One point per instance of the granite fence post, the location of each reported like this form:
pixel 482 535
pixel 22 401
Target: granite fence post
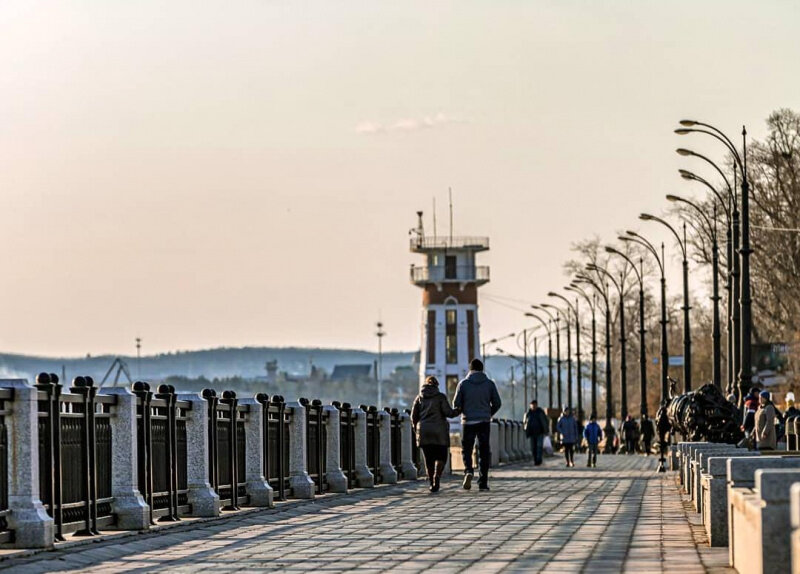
pixel 301 484
pixel 32 527
pixel 203 499
pixel 407 466
pixel 132 511
pixel 336 479
pixel 502 453
pixel 388 473
pixel 258 489
pixel 364 477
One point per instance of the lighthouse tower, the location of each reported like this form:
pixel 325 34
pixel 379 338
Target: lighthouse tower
pixel 450 333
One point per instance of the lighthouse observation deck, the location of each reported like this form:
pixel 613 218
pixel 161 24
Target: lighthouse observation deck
pixel 478 274
pixel 424 244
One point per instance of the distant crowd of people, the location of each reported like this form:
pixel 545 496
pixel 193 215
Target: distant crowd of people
pixel 762 422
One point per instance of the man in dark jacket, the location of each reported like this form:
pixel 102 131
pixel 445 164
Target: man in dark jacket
pixel 478 400
pixel 648 432
pixel 630 432
pixel 536 426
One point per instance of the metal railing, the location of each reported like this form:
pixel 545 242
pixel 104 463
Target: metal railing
pixel 75 455
pixel 276 443
pixel 347 441
pixel 431 242
pixel 373 441
pixel 227 448
pixel 161 451
pixel 396 440
pixel 316 439
pixel 442 274
pixel 6 396
pixel 416 453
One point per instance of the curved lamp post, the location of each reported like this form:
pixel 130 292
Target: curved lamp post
pixel 560 313
pixel 745 302
pixel 592 302
pixel 603 292
pixel 642 352
pixel 716 359
pixel 557 320
pixel 549 360
pixel 574 309
pixel 687 333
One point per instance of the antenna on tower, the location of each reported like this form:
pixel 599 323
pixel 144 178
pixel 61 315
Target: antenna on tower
pixel 450 196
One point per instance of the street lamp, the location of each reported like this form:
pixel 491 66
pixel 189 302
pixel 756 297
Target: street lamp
pixel 484 356
pixel 524 347
pixel 592 302
pixel 557 320
pixel 574 309
pixel 745 301
pixel 716 363
pixel 687 333
pixel 549 358
pixel 731 249
pixel 642 351
pixel 603 292
pixel 623 360
pixel 560 313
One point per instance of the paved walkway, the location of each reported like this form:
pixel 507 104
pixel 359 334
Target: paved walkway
pixel 619 517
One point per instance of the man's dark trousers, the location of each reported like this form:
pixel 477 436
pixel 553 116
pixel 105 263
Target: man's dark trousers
pixel 469 434
pixel 537 447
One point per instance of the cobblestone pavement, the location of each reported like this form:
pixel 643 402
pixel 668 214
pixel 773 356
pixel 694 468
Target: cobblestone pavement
pixel 621 516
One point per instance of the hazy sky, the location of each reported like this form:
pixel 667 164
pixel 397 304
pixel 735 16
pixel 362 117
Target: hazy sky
pixel 245 173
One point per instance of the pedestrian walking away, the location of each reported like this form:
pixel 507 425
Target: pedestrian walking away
pixel 648 433
pixel 593 435
pixel 630 433
pixel 429 416
pixel 536 425
pixel 478 401
pixel 567 427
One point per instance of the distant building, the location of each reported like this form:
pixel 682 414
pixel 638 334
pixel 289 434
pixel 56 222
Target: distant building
pixel 450 281
pixel 351 372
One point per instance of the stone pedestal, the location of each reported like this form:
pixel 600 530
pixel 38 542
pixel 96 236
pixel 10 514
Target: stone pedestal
pixel 364 477
pixel 258 489
pixel 494 446
pixel 132 511
pixel 32 527
pixel 336 479
pixel 301 484
pixel 407 466
pixel 715 497
pixel 203 499
pixel 794 512
pixel 502 453
pixel 388 473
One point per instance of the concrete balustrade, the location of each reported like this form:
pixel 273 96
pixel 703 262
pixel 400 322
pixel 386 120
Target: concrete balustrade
pixel 502 454
pixel 715 496
pixel 387 470
pixel 364 476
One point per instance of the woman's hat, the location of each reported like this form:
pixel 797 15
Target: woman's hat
pixel 432 381
pixel 764 394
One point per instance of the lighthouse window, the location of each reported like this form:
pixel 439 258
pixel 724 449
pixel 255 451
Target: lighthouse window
pixel 431 337
pixel 451 337
pixel 450 267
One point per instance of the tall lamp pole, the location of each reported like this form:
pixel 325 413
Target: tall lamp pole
pixel 687 333
pixel 745 302
pixel 557 320
pixel 380 333
pixel 560 312
pixel 592 302
pixel 547 326
pixel 603 292
pixel 642 349
pixel 578 378
pixel 716 353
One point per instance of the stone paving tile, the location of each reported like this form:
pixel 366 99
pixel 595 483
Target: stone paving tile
pixel 619 517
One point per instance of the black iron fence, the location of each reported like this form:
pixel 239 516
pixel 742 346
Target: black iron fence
pixel 396 439
pixel 316 439
pixel 75 455
pixel 276 443
pixel 373 441
pixel 161 451
pixel 6 396
pixel 227 448
pixel 347 442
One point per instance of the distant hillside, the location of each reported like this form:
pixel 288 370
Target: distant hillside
pixel 246 362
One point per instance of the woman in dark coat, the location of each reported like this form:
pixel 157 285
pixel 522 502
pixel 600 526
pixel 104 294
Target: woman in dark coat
pixel 429 416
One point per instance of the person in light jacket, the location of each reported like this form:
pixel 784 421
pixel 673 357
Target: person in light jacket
pixel 765 423
pixel 567 427
pixel 429 416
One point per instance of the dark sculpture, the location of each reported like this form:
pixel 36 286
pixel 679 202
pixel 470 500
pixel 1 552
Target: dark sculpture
pixel 704 415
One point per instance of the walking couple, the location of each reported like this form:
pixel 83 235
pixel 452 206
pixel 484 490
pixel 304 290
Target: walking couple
pixel 477 401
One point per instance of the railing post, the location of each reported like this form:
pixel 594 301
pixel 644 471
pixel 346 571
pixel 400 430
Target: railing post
pixel 501 440
pixel 49 385
pixel 202 498
pixel 129 505
pixel 84 386
pixel 258 489
pixel 28 519
pixel 364 478
pixel 407 466
pixel 167 393
pixel 144 451
pixel 229 398
pixel 301 484
pixel 337 481
pixel 388 473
